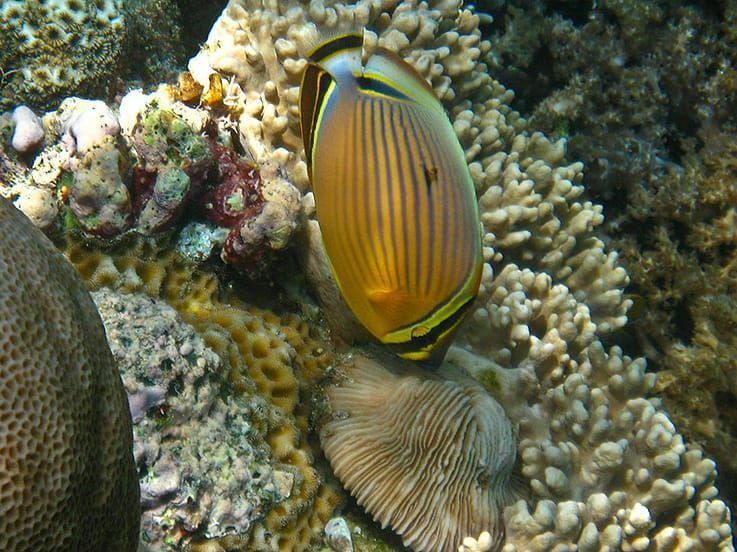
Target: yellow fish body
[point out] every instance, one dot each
(394, 197)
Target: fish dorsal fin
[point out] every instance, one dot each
(393, 72)
(335, 45)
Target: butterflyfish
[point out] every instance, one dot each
(393, 194)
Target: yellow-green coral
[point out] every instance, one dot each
(52, 49)
(278, 353)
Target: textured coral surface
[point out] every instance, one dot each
(277, 357)
(67, 478)
(49, 50)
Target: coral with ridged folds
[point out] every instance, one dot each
(68, 481)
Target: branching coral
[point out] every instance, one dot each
(645, 92)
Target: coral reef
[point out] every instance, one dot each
(141, 170)
(68, 480)
(602, 464)
(205, 469)
(645, 93)
(550, 292)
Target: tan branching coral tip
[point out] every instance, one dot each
(429, 457)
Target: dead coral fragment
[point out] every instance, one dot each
(98, 197)
(429, 457)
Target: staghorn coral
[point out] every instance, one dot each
(68, 481)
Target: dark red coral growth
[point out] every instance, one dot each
(238, 192)
(234, 203)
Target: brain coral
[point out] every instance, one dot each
(67, 478)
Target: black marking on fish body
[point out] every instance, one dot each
(429, 338)
(338, 44)
(376, 86)
(431, 175)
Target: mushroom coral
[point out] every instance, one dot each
(430, 457)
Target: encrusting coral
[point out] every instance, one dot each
(68, 481)
(279, 356)
(199, 447)
(141, 169)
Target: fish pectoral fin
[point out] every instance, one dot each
(395, 305)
